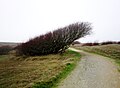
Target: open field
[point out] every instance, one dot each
(111, 50)
(37, 71)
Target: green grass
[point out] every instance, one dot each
(3, 57)
(38, 71)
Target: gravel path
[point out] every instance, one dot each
(93, 71)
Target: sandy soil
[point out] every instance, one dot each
(93, 71)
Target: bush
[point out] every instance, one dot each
(75, 42)
(87, 44)
(108, 42)
(54, 42)
(5, 49)
(95, 43)
(118, 42)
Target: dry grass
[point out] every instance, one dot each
(23, 72)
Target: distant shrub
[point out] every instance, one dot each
(102, 43)
(108, 42)
(54, 42)
(5, 49)
(95, 43)
(118, 42)
(75, 42)
(87, 44)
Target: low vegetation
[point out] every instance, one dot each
(54, 42)
(109, 50)
(36, 71)
(4, 57)
(100, 43)
(5, 50)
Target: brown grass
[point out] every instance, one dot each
(19, 72)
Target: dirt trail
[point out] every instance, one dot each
(93, 71)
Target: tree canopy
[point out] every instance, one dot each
(55, 42)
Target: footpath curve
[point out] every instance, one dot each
(93, 71)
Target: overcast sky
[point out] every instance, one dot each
(21, 20)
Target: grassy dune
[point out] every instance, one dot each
(37, 71)
(111, 50)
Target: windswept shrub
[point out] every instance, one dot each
(5, 49)
(56, 41)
